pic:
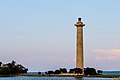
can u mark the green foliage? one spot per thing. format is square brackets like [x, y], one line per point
[0, 63]
[50, 72]
[76, 71]
[57, 72]
[39, 73]
[87, 71]
[63, 70]
[4, 71]
[12, 68]
[71, 71]
[90, 71]
[99, 71]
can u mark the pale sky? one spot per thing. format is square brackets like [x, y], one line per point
[40, 34]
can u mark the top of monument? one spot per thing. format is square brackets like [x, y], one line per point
[79, 19]
[79, 23]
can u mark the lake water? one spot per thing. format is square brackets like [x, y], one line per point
[111, 72]
[51, 78]
[59, 78]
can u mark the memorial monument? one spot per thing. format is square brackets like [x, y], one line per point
[79, 46]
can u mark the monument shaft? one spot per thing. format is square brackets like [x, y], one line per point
[79, 45]
[79, 51]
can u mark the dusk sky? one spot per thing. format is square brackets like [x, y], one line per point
[40, 34]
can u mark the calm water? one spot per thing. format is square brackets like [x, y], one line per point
[111, 72]
[51, 78]
[59, 78]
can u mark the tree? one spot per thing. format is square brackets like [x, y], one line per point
[13, 63]
[63, 70]
[78, 70]
[46, 72]
[12, 68]
[57, 72]
[39, 73]
[50, 72]
[71, 71]
[4, 71]
[99, 71]
[0, 63]
[89, 71]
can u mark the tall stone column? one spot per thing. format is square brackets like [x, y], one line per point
[79, 49]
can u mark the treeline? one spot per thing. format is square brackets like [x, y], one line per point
[12, 68]
[87, 71]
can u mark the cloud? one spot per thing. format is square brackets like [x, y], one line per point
[105, 58]
[109, 51]
[107, 54]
